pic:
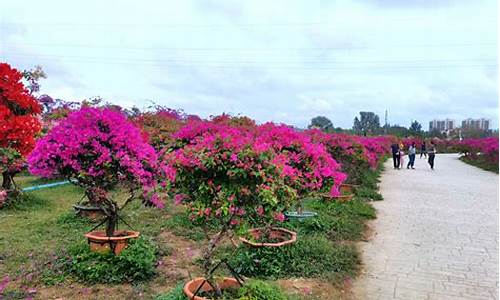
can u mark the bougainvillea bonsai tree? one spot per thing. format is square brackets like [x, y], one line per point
[99, 150]
[232, 176]
[225, 181]
[19, 124]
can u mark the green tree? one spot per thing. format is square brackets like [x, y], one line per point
[398, 130]
[368, 123]
[322, 123]
[415, 128]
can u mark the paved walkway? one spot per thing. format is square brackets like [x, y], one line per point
[436, 235]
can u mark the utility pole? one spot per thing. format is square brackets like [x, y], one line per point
[385, 125]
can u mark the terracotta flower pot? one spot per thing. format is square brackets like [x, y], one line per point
[99, 242]
[193, 285]
[340, 198]
[91, 212]
[286, 236]
[346, 188]
[344, 198]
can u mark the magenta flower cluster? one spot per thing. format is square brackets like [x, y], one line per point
[232, 169]
[354, 153]
[97, 148]
[487, 148]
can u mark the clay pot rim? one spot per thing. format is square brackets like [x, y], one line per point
[338, 196]
[130, 235]
[351, 185]
[293, 238]
[196, 282]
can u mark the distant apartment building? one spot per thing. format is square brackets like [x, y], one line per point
[441, 125]
[480, 124]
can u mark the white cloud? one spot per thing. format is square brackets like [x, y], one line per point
[285, 61]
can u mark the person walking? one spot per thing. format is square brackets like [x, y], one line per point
[401, 154]
[423, 150]
[412, 152]
[432, 153]
[395, 155]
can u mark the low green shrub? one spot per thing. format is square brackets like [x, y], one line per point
[369, 194]
[135, 263]
[310, 256]
[251, 290]
[339, 221]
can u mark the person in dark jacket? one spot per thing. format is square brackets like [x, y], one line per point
[395, 155]
[423, 150]
[432, 154]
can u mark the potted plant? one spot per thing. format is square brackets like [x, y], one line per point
[101, 151]
[19, 124]
[227, 181]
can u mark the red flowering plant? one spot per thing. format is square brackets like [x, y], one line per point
[224, 180]
[100, 150]
[19, 124]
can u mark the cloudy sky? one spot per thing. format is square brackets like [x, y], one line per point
[285, 61]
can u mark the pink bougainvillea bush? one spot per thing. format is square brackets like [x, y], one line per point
[355, 154]
[98, 149]
[231, 173]
[307, 164]
[480, 151]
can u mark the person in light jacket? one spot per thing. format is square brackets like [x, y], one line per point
[412, 152]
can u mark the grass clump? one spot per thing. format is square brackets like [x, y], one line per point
[135, 263]
[310, 256]
[338, 221]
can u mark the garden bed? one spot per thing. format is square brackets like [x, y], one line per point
[30, 260]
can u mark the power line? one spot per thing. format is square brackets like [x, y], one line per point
[235, 62]
[161, 64]
[235, 24]
[347, 47]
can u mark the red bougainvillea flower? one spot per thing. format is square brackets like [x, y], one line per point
[19, 110]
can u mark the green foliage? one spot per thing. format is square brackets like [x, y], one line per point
[310, 256]
[322, 123]
[480, 163]
[180, 225]
[368, 123]
[135, 263]
[415, 128]
[251, 290]
[175, 294]
[339, 221]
